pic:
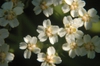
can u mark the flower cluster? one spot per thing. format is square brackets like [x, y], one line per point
[77, 43]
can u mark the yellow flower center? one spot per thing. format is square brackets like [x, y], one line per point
[86, 18]
[43, 5]
[49, 59]
[31, 46]
[2, 57]
[9, 15]
[70, 29]
[49, 31]
[73, 45]
[15, 2]
[74, 6]
[89, 46]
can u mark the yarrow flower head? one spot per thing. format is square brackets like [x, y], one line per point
[90, 46]
[48, 31]
[49, 59]
[43, 5]
[8, 14]
[5, 56]
[88, 17]
[30, 45]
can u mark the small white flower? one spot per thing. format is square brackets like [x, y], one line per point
[48, 30]
[49, 59]
[30, 46]
[90, 46]
[73, 47]
[4, 33]
[73, 6]
[88, 17]
[43, 5]
[8, 14]
[71, 28]
[5, 56]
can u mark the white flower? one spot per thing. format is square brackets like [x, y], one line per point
[73, 47]
[71, 28]
[49, 59]
[8, 14]
[57, 2]
[5, 56]
[30, 46]
[4, 33]
[73, 6]
[90, 46]
[48, 30]
[43, 5]
[88, 17]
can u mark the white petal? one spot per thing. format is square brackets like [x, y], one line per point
[45, 64]
[41, 57]
[77, 51]
[72, 53]
[97, 49]
[27, 38]
[69, 2]
[67, 20]
[46, 23]
[18, 10]
[74, 13]
[42, 37]
[4, 64]
[33, 40]
[81, 4]
[82, 11]
[95, 39]
[79, 34]
[4, 48]
[1, 41]
[14, 23]
[78, 22]
[55, 29]
[65, 8]
[61, 32]
[4, 33]
[53, 39]
[51, 50]
[79, 41]
[66, 47]
[92, 12]
[27, 54]
[9, 57]
[23, 45]
[40, 29]
[87, 38]
[36, 2]
[7, 5]
[3, 22]
[36, 50]
[57, 60]
[1, 13]
[91, 54]
[87, 25]
[37, 10]
[83, 51]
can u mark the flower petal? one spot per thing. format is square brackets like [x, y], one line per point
[9, 57]
[33, 40]
[57, 60]
[7, 5]
[72, 53]
[53, 39]
[61, 32]
[36, 50]
[51, 50]
[69, 2]
[91, 54]
[87, 38]
[36, 2]
[3, 22]
[65, 47]
[92, 12]
[23, 45]
[41, 57]
[18, 10]
[87, 25]
[1, 13]
[27, 54]
[40, 29]
[65, 8]
[81, 11]
[37, 10]
[46, 23]
[42, 37]
[27, 38]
